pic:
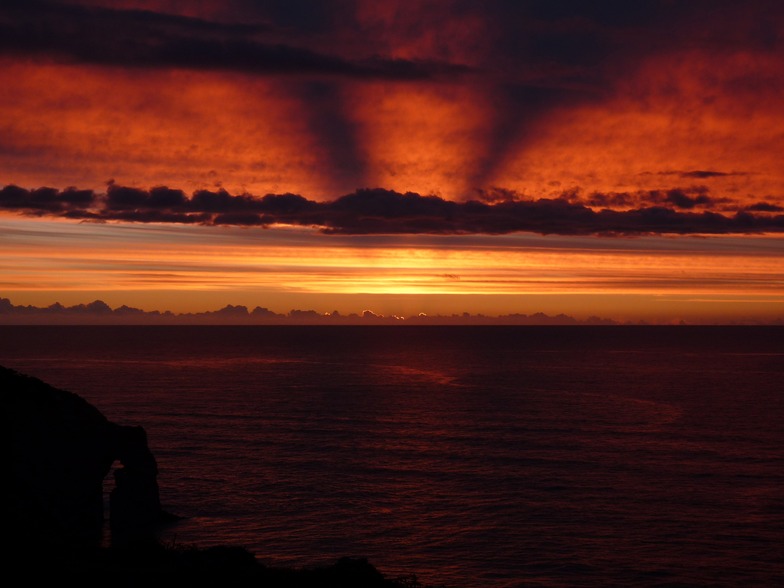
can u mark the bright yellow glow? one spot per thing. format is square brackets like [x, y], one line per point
[129, 260]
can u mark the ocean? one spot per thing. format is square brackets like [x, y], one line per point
[469, 456]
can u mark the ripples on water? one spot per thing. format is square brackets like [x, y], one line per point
[484, 456]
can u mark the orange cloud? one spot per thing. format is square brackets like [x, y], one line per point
[675, 114]
[76, 125]
[421, 138]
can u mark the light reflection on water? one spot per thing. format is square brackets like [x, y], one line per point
[489, 456]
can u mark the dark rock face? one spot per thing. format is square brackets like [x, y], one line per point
[134, 503]
[58, 450]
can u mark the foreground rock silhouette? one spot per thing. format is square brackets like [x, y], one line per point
[57, 453]
[61, 449]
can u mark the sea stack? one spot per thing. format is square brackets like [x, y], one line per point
[58, 451]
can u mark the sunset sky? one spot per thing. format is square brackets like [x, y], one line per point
[611, 158]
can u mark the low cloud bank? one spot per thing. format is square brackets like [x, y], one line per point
[379, 211]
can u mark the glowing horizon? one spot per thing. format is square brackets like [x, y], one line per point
[440, 158]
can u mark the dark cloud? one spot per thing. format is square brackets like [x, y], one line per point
[609, 200]
[163, 197]
[680, 199]
[765, 207]
[334, 132]
[606, 12]
[122, 198]
[703, 174]
[379, 211]
[563, 45]
[521, 107]
[45, 200]
[700, 174]
[222, 202]
[145, 39]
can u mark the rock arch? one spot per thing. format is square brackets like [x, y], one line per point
[58, 450]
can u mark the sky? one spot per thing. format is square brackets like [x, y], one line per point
[608, 158]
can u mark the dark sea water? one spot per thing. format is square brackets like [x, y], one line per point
[471, 456]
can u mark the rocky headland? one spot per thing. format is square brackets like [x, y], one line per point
[59, 449]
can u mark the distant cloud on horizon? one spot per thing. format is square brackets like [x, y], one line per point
[98, 312]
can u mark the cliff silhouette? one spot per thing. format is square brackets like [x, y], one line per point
[59, 449]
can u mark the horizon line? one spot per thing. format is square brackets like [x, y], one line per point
[100, 313]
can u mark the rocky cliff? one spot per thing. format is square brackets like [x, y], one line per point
[58, 451]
